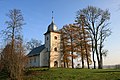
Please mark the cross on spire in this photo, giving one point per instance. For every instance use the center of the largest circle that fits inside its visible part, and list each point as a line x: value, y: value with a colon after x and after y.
x: 52, y: 17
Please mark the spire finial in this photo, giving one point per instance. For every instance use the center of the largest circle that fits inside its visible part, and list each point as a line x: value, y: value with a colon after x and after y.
x: 52, y: 17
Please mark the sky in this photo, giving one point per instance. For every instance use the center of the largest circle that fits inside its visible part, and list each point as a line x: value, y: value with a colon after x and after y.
x: 38, y: 15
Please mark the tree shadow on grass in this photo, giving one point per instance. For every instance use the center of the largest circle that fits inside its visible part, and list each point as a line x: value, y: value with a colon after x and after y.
x: 107, y: 71
x: 35, y: 71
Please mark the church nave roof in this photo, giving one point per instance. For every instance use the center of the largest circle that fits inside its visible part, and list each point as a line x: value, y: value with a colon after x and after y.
x: 36, y: 51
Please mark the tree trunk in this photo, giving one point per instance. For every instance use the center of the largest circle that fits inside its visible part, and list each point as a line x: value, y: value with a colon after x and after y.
x: 100, y: 51
x: 82, y: 57
x: 82, y: 61
x: 67, y: 64
x: 87, y: 61
x: 64, y: 65
x: 101, y: 59
x: 93, y: 54
x: 72, y: 61
x: 97, y: 54
x: 101, y: 62
x: 72, y: 51
x: 94, y: 64
x: 94, y: 60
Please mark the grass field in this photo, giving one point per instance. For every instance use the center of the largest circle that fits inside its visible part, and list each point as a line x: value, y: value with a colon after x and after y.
x: 71, y: 74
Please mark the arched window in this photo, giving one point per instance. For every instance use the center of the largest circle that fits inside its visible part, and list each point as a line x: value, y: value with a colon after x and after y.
x: 55, y: 37
x: 55, y: 49
x: 55, y: 64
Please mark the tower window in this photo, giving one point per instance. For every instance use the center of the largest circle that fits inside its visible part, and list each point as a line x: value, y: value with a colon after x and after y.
x: 47, y: 38
x: 55, y: 49
x: 55, y: 37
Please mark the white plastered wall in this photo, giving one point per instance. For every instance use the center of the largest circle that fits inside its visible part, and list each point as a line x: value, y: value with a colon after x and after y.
x: 55, y: 55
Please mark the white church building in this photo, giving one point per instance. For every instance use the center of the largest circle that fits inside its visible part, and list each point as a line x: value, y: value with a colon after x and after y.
x: 49, y: 53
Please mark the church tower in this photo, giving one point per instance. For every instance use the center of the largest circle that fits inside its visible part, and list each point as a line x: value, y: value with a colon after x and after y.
x: 52, y: 44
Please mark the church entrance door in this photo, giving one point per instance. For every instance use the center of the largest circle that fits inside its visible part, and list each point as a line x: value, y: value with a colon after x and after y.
x: 55, y: 64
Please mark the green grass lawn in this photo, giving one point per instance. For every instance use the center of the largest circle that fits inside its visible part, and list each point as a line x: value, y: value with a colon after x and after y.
x: 73, y: 74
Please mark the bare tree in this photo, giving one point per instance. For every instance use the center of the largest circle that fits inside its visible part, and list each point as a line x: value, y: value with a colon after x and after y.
x: 104, y: 33
x: 95, y: 19
x: 33, y: 43
x: 13, y: 55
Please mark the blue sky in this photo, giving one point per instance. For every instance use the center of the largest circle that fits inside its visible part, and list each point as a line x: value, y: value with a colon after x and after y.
x: 38, y: 13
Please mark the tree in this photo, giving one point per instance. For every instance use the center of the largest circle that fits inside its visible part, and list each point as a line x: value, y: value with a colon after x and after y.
x: 93, y: 51
x: 104, y: 33
x: 63, y: 48
x: 75, y: 39
x: 14, y: 63
x: 68, y: 39
x: 13, y: 55
x: 33, y: 43
x: 83, y: 43
x: 86, y: 37
x: 95, y: 19
x: 80, y: 47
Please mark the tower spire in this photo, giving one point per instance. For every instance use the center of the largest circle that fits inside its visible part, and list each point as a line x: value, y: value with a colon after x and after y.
x: 52, y: 17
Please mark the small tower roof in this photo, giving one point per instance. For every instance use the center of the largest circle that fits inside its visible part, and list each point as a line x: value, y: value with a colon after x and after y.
x: 52, y: 27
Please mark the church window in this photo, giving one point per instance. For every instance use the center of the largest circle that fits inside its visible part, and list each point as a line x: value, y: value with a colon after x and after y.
x: 47, y: 38
x: 55, y: 49
x: 30, y: 60
x: 55, y: 37
x: 35, y: 59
